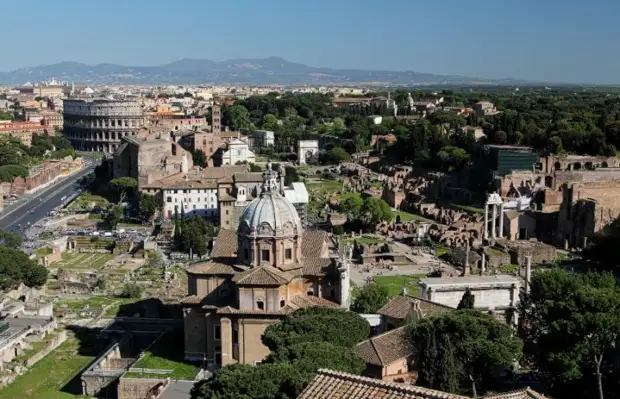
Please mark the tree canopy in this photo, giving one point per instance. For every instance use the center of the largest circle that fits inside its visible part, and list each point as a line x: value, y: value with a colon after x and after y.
x: 370, y: 298
x: 149, y: 205
x: 317, y: 325
x: 16, y: 267
x: 467, y: 301
x: 570, y: 327
x: 308, y: 357
x: 461, y: 351
x: 242, y: 381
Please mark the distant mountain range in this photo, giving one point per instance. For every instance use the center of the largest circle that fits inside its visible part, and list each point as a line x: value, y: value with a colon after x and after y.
x: 264, y: 71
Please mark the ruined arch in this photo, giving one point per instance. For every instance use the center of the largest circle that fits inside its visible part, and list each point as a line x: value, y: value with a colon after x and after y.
x: 604, y: 165
x: 589, y: 166
x: 557, y: 166
x: 577, y: 166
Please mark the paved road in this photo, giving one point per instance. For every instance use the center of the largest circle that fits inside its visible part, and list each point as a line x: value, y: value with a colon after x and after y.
x: 37, y: 206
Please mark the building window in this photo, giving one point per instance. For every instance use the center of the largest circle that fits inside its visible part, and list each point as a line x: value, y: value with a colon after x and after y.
x: 282, y: 303
x: 288, y: 253
x: 260, y: 305
x: 168, y: 199
x: 310, y: 291
x: 217, y: 332
x: 265, y: 255
x: 235, y: 337
x: 227, y: 211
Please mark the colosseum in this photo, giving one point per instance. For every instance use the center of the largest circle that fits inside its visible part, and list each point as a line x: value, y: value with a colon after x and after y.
x: 98, y: 125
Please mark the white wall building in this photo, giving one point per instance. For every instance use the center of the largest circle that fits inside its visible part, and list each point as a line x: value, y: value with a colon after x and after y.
x: 237, y: 151
x: 192, y: 198
x: 497, y: 294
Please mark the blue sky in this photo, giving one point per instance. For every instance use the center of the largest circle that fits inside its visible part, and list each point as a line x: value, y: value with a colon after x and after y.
x: 551, y: 40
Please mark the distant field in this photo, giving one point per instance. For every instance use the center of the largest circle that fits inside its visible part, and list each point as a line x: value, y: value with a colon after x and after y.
x: 75, y: 260
x: 406, y: 217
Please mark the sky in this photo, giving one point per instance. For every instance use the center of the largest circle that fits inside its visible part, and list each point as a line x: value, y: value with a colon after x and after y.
x: 571, y: 41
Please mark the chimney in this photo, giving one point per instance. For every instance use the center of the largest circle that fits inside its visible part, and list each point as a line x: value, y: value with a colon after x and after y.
x: 528, y: 272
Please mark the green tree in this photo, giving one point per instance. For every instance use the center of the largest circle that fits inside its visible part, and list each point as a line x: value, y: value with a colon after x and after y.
x: 351, y: 204
x: 376, y: 210
x: 123, y: 187
x: 602, y: 247
x: 113, y: 216
x: 10, y: 239
x: 237, y: 118
x: 317, y: 325
x: 467, y: 301
x: 370, y: 298
x: 242, y: 381
x: 338, y: 125
x: 8, y: 173
x: 132, y: 290
x: 291, y: 175
x: 337, y: 155
x: 149, y: 204
x: 16, y: 268
x: 199, y: 158
x: 270, y: 122
x: 475, y: 345
x: 308, y: 357
x: 571, y: 324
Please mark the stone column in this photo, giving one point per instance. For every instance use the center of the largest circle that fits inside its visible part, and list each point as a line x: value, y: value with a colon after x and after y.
x: 486, y: 220
x: 483, y: 263
x: 493, y: 222
x: 501, y: 220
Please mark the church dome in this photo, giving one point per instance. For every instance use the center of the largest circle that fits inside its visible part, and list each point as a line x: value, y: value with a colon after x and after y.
x: 271, y: 214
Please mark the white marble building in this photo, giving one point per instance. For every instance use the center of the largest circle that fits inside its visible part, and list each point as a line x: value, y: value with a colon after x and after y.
x: 193, y: 198
x: 497, y: 294
x: 237, y: 151
x: 307, y: 151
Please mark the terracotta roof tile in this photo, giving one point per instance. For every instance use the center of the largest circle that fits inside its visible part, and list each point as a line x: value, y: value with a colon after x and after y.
x: 328, y: 384
x: 386, y: 348
x: 400, y: 306
x: 316, y: 266
x: 306, y: 301
x: 525, y: 393
x: 312, y: 243
x: 212, y: 266
x: 225, y: 244
x: 191, y: 300
x: 262, y: 275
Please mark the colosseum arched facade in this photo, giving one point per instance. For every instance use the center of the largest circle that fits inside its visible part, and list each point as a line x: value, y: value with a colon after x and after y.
x: 98, y: 125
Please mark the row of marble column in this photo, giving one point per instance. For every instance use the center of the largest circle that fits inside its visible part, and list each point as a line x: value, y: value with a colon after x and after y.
x: 495, y: 233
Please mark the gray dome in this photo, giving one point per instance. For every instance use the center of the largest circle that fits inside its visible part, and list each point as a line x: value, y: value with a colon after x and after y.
x: 271, y: 215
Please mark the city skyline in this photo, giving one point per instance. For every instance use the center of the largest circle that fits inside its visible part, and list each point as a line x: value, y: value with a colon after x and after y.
x: 552, y: 41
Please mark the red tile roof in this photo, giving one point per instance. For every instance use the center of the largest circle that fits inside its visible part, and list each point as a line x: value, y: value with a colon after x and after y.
x: 400, y: 306
x: 329, y: 384
x: 386, y: 348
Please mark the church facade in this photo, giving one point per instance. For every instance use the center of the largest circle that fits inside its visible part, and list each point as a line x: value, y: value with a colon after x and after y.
x: 258, y: 274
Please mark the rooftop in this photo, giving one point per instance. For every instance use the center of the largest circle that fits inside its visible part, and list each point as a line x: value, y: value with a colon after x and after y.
x: 386, y: 348
x: 329, y: 384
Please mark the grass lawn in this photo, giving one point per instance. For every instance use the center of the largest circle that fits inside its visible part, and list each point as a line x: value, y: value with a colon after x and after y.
x: 439, y: 251
x: 395, y: 284
x: 75, y: 260
x: 325, y: 186
x: 86, y: 200
x: 94, y: 302
x: 467, y: 208
x: 49, y: 375
x: 166, y: 354
x: 406, y: 217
